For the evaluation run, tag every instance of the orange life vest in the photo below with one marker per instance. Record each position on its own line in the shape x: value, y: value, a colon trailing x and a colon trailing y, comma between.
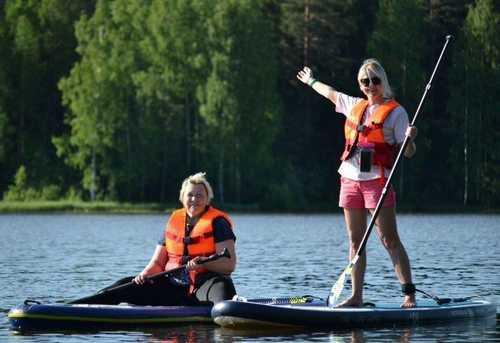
x: 371, y: 135
x: 200, y: 242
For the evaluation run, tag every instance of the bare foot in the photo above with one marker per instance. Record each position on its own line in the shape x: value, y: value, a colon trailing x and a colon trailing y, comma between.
x: 409, y: 301
x: 351, y: 302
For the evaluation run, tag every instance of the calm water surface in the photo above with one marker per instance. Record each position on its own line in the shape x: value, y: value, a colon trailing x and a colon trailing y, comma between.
x: 54, y: 258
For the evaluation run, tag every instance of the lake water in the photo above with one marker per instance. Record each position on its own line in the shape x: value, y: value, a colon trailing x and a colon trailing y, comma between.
x: 60, y: 257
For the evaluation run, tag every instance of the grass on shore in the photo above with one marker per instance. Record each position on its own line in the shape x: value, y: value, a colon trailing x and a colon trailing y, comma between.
x: 78, y: 206
x: 82, y: 207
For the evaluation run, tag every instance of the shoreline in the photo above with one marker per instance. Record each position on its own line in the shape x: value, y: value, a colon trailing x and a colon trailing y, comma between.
x: 111, y: 207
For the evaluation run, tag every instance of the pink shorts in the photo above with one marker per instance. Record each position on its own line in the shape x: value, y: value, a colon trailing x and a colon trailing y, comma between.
x: 364, y: 194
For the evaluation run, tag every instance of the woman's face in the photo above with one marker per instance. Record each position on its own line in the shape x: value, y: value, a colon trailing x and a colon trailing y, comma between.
x: 195, y: 199
x: 371, y: 85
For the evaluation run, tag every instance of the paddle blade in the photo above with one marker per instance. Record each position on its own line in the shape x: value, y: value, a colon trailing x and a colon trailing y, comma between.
x: 336, y: 290
x: 338, y: 287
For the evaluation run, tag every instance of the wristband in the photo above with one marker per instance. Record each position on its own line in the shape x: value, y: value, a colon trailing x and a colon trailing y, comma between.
x: 311, y: 82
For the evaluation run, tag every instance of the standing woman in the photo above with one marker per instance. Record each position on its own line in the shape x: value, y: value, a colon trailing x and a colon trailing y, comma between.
x: 374, y: 130
x: 192, y: 233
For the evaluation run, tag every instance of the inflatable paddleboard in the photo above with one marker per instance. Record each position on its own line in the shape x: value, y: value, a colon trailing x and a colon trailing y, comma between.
x: 315, y: 313
x: 36, y: 316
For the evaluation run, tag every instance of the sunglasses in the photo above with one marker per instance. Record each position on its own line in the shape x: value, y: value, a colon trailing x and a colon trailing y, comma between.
x: 375, y: 81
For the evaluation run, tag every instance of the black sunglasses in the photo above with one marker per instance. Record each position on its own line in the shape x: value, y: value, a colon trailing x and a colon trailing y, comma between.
x: 375, y: 81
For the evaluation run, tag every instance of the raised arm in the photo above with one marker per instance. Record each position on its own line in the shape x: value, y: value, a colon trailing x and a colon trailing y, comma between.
x: 305, y: 75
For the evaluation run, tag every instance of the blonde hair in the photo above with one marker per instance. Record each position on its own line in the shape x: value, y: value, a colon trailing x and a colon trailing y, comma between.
x: 374, y: 67
x: 197, y: 179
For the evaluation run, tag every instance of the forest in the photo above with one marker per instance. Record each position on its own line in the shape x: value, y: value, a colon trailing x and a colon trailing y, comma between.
x: 120, y: 100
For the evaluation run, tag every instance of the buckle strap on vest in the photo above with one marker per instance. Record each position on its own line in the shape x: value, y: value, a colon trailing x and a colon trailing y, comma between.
x: 365, y: 129
x: 361, y: 128
x: 183, y: 259
x: 189, y: 240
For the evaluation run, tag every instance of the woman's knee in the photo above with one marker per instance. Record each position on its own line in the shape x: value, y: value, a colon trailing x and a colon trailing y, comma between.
x: 391, y: 242
x: 354, y: 245
x: 216, y: 289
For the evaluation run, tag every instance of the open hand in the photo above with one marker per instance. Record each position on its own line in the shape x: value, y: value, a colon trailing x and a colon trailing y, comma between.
x: 305, y: 75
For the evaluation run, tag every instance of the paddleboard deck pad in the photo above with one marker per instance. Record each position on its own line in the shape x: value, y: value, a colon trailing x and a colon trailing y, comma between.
x: 315, y: 313
x: 36, y: 316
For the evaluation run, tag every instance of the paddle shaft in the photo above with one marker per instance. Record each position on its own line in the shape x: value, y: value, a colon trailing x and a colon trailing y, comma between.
x: 398, y: 158
x: 214, y: 257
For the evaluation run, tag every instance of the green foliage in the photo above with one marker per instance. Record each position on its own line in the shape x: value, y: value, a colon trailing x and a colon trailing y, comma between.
x: 82, y: 206
x: 37, y: 48
x: 73, y: 194
x: 483, y: 26
x: 138, y: 78
x: 21, y: 190
x: 4, y: 128
x: 18, y: 190
x: 50, y: 192
x: 330, y: 37
x: 100, y: 96
x: 121, y: 100
x: 482, y: 55
x: 279, y: 197
x: 239, y: 102
x: 398, y: 41
x: 4, y: 91
x: 284, y: 193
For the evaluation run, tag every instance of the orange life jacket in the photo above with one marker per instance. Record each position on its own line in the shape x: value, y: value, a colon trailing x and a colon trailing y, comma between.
x: 371, y: 135
x: 200, y: 242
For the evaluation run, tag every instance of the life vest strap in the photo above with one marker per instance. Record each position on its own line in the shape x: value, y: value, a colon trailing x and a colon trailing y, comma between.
x: 185, y: 258
x: 365, y: 129
x: 361, y: 128
x: 189, y: 240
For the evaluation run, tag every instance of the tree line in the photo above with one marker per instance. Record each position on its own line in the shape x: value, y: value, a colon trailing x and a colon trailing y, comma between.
x: 122, y: 99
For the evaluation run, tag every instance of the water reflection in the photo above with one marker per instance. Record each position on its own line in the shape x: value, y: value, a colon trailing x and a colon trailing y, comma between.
x: 187, y: 334
x: 484, y: 330
x: 461, y: 331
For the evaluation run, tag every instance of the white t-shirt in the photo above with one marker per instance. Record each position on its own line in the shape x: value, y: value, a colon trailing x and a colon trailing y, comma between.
x: 394, y: 129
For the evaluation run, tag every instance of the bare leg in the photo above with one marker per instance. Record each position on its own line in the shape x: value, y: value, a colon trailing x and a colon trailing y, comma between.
x: 388, y: 233
x: 355, y: 220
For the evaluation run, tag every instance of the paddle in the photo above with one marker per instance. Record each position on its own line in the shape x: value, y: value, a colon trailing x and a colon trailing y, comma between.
x: 339, y: 285
x: 214, y: 257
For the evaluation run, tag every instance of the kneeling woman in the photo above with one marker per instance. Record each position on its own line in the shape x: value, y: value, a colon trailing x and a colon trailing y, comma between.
x: 191, y: 235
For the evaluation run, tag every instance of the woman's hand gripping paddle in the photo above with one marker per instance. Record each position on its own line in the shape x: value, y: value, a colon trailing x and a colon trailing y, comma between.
x: 337, y: 288
x: 214, y: 257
